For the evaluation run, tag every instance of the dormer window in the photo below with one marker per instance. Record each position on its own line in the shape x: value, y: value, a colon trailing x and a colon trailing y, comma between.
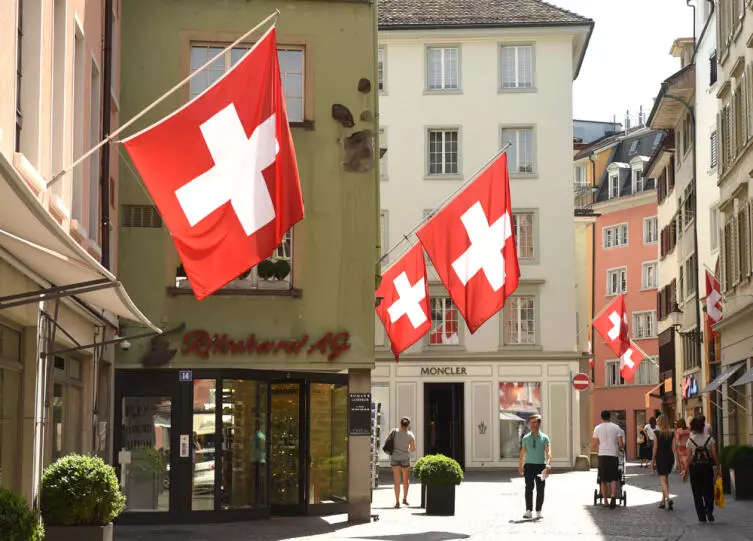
x: 639, y: 183
x: 614, y: 186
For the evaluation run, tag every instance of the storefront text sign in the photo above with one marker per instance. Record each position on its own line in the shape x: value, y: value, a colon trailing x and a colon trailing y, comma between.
x: 360, y: 414
x: 417, y: 371
x: 204, y: 344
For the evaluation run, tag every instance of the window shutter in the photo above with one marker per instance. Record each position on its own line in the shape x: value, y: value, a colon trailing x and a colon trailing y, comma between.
x: 734, y: 251
x: 749, y: 99
x: 744, y: 242
x: 743, y: 113
x: 723, y: 145
x: 724, y: 237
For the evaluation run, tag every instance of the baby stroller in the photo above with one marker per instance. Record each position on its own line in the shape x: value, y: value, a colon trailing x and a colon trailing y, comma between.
x: 621, y: 494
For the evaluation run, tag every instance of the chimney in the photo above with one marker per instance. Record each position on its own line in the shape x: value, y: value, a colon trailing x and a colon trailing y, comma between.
x: 641, y: 117
x: 627, y: 120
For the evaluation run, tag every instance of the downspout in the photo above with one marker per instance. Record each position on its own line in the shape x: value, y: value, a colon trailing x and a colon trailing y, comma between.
x: 104, y: 170
x: 705, y: 27
x: 379, y: 247
x: 592, y: 360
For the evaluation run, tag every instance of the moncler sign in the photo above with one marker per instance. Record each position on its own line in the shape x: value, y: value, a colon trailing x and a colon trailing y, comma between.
x: 443, y: 371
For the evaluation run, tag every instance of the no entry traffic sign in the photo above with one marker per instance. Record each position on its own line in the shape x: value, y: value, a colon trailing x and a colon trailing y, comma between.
x: 581, y: 382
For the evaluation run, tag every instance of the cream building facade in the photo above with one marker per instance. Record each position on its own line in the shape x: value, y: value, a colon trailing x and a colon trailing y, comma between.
x: 454, y: 90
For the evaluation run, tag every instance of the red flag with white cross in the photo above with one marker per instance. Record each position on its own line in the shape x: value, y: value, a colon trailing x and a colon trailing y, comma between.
x: 223, y: 173
x: 404, y: 309
x: 612, y: 325
x: 630, y: 360
x: 472, y: 246
x: 714, y: 306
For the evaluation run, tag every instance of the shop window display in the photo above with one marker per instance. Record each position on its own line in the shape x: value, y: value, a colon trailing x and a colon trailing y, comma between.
x: 518, y: 401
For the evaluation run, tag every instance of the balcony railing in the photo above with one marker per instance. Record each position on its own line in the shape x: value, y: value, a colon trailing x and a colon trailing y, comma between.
x: 584, y: 196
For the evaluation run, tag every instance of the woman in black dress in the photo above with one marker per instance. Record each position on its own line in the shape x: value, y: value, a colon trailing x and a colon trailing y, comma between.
x: 664, y: 458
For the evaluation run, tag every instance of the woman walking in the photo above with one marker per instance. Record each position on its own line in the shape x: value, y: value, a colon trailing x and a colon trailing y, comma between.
x: 404, y: 444
x: 682, y: 434
x: 700, y: 467
x: 647, y: 447
x: 664, y: 458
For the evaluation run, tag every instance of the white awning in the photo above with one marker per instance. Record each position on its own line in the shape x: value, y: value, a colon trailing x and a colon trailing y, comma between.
x: 31, y: 235
x: 722, y: 378
x: 747, y: 378
x: 507, y: 416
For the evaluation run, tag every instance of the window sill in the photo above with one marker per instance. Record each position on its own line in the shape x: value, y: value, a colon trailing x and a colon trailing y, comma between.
x: 520, y: 347
x: 524, y: 176
x: 443, y: 177
x: 383, y: 92
x: 649, y: 289
x: 649, y: 243
x: 307, y: 125
x: 528, y: 261
x: 443, y: 347
x: 233, y: 292
x: 520, y: 90
x: 644, y: 338
x: 450, y: 92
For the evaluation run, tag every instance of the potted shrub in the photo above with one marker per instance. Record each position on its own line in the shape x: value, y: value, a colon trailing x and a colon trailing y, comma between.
x: 266, y: 269
x: 741, y: 472
x: 79, y: 498
x: 440, y: 474
x: 17, y: 521
x: 725, y: 456
x: 146, y: 474
x: 417, y: 474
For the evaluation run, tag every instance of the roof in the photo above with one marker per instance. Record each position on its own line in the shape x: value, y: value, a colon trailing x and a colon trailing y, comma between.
x: 405, y: 14
x: 685, y: 80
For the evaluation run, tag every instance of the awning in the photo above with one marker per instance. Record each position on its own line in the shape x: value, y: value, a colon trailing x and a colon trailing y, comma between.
x: 721, y: 378
x: 747, y: 378
x: 32, y: 236
x: 506, y: 416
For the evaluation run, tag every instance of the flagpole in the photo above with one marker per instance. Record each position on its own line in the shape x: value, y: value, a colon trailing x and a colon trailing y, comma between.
x: 162, y: 98
x: 406, y: 236
x: 645, y: 355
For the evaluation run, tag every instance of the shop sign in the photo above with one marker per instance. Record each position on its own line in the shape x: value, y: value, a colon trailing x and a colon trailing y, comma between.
x: 360, y: 414
x: 689, y: 386
x: 443, y: 371
x: 204, y: 344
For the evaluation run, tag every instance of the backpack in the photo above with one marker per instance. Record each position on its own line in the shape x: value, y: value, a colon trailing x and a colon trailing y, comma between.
x: 701, y: 455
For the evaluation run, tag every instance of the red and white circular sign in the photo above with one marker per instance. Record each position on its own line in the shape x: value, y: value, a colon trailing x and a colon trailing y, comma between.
x: 581, y: 382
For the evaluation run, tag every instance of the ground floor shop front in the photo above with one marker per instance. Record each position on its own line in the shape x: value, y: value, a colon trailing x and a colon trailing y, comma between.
x: 219, y: 444
x: 477, y: 410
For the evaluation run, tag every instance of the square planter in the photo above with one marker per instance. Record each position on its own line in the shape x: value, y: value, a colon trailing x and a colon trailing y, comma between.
x: 440, y: 500
x: 78, y: 533
x: 742, y: 484
x: 726, y: 481
x: 423, y: 496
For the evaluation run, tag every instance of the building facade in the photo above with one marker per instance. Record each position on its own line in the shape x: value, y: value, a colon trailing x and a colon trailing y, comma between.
x: 55, y: 396
x: 453, y: 91
x: 244, y: 412
x: 730, y: 391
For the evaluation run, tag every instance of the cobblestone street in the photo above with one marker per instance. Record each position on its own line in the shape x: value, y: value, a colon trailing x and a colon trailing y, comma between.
x: 490, y: 506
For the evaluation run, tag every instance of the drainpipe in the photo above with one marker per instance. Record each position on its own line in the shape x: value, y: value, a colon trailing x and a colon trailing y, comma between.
x: 592, y: 159
x: 104, y: 170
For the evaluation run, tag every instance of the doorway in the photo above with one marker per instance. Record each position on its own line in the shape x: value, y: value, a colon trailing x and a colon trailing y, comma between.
x: 444, y: 426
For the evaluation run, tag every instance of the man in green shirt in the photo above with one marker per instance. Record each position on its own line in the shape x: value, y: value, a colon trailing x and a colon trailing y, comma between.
x: 534, y: 464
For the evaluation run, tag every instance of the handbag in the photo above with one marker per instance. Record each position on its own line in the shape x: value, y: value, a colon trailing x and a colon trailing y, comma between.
x: 641, y: 438
x: 719, y: 493
x: 389, y: 444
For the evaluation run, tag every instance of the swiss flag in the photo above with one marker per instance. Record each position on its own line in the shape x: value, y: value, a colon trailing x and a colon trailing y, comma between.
x: 630, y: 360
x: 472, y: 245
x: 612, y: 325
x: 222, y: 171
x: 714, y: 307
x: 404, y: 309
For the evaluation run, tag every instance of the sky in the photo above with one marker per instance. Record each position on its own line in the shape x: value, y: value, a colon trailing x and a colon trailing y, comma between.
x: 628, y: 56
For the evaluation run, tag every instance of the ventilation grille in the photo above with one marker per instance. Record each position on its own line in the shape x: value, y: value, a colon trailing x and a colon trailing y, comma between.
x: 140, y: 216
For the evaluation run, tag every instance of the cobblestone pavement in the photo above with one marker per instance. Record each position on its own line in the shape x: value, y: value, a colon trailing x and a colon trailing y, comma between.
x: 489, y: 506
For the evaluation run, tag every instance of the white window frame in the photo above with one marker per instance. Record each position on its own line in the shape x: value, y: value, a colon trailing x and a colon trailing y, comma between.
x: 444, y: 299
x: 715, y: 219
x: 513, y: 303
x: 616, y: 270
x: 638, y: 181
x: 612, y: 366
x: 647, y: 230
x: 648, y: 326
x: 614, y: 186
x: 644, y: 275
x: 443, y: 67
x: 384, y: 173
x: 618, y: 233
x: 516, y: 215
x: 514, y: 151
x: 580, y: 178
x: 444, y: 172
x: 690, y: 266
x: 518, y: 83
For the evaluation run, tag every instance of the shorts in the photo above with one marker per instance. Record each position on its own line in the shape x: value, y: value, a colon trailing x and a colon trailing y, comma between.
x: 402, y: 463
x: 609, y: 469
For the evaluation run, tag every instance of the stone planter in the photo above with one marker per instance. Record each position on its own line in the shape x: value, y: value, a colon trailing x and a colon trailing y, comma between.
x: 423, y: 496
x: 726, y: 480
x: 78, y: 533
x: 440, y: 500
x: 742, y: 484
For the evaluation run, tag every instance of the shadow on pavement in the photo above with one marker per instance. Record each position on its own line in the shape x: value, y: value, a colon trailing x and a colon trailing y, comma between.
x: 425, y: 536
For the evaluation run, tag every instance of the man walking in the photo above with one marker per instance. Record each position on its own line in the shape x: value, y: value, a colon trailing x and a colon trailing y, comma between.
x: 608, y: 441
x: 534, y: 464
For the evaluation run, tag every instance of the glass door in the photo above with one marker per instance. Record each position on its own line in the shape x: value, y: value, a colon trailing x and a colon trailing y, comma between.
x: 287, y: 448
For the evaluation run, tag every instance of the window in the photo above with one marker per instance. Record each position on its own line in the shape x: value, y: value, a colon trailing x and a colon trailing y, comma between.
x: 616, y: 281
x: 57, y: 133
x: 712, y: 68
x: 518, y: 401
x: 443, y: 68
x: 714, y: 148
x: 520, y: 155
x: 639, y: 183
x: 520, y: 320
x: 615, y: 236
x: 691, y: 272
x: 614, y: 186
x: 687, y: 133
x: 381, y: 70
x: 649, y: 275
x: 579, y: 177
x: 383, y: 165
x: 690, y: 353
x: 10, y: 386
x: 688, y: 206
x: 524, y: 234
x: 443, y: 152
x: 644, y: 324
x: 650, y: 230
x: 79, y: 128
x: 714, y: 232
x: 291, y: 60
x: 681, y: 284
x: 95, y: 111
x: 647, y: 374
x: 445, y: 322
x: 19, y: 77
x: 67, y: 413
x: 383, y: 234
x: 517, y: 67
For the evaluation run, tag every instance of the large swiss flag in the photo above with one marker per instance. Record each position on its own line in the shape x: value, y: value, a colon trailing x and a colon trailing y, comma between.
x: 222, y: 171
x: 404, y: 309
x: 612, y: 325
x: 472, y: 245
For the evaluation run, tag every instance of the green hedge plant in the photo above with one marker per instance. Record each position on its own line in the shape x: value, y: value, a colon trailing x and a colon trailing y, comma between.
x: 742, y: 458
x: 17, y: 521
x: 418, y: 466
x: 79, y: 490
x: 441, y: 470
x: 726, y: 454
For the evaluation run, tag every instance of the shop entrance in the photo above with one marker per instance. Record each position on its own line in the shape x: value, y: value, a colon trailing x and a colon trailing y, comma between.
x: 216, y: 445
x: 444, y: 427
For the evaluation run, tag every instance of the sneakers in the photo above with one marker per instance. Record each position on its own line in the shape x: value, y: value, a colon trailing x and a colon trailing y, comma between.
x: 527, y: 515
x: 539, y: 515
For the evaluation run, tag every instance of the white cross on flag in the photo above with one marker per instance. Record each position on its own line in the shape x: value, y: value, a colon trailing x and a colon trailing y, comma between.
x: 472, y: 245
x: 404, y: 309
x: 222, y: 171
x: 612, y: 325
x: 630, y: 360
x: 714, y: 307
